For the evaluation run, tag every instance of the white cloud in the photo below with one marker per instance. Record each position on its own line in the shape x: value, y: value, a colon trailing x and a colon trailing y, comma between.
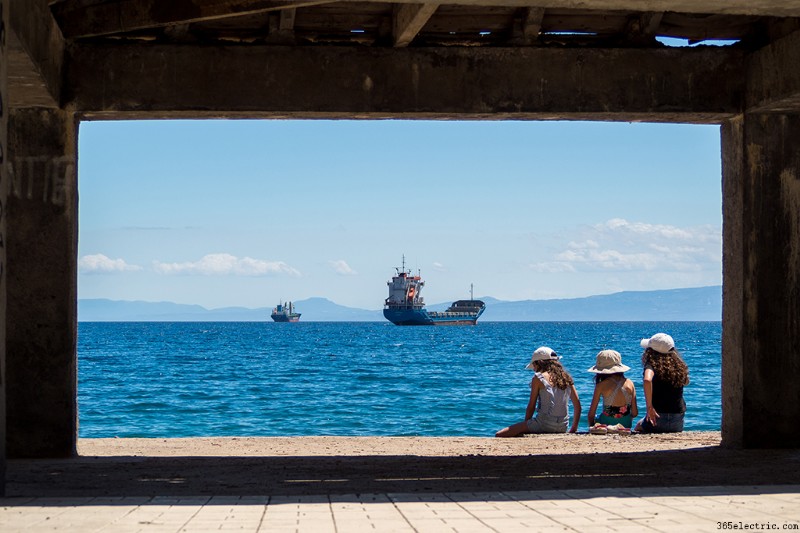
x: 342, y: 268
x: 621, y: 226
x: 439, y: 267
x: 620, y: 245
x: 101, y: 264
x: 226, y: 265
x: 552, y: 267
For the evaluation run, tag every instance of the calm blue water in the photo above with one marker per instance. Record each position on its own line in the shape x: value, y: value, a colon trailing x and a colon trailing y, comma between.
x: 266, y: 379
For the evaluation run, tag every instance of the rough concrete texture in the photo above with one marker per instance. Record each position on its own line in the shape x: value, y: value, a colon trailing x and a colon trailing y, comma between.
x: 761, y: 320
x: 774, y: 8
x: 773, y: 77
x: 38, y: 35
x: 42, y: 284
x: 733, y: 281
x: 4, y: 107
x: 668, y: 85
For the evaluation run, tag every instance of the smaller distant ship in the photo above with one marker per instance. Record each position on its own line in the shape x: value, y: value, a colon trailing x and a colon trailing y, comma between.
x: 284, y: 312
x: 405, y: 306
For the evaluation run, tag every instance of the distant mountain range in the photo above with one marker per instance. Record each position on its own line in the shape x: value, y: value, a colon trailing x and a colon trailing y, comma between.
x: 694, y: 304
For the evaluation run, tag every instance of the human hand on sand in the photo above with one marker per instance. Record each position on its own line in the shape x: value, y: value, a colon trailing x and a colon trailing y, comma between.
x: 652, y: 415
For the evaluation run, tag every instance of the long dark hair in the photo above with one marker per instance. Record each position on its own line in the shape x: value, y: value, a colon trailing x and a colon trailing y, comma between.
x: 559, y: 376
x: 598, y: 378
x: 668, y: 367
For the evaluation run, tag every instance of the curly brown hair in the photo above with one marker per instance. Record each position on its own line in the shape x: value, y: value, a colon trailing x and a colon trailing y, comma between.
x: 559, y: 376
x: 668, y: 367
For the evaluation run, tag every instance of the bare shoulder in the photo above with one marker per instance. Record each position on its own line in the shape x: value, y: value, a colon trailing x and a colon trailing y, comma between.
x: 604, y: 386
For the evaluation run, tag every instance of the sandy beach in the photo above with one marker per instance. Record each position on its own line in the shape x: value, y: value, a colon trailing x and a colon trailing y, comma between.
x: 581, y: 443
x: 353, y: 465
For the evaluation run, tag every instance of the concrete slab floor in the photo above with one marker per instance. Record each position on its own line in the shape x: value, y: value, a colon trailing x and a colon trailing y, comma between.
x: 684, y: 509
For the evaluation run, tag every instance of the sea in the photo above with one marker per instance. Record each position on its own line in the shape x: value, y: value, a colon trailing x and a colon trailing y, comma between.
x: 193, y: 379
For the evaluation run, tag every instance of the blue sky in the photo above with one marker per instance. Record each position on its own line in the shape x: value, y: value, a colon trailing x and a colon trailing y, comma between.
x: 247, y: 213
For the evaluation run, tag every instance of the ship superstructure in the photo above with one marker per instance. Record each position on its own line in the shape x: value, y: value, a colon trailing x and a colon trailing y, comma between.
x: 405, y: 306
x: 285, y: 313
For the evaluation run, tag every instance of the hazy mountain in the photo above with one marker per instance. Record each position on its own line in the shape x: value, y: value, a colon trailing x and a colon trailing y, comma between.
x: 312, y: 309
x: 695, y: 304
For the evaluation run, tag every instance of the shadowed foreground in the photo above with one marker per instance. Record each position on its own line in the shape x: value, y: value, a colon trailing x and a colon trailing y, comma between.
x: 336, y: 465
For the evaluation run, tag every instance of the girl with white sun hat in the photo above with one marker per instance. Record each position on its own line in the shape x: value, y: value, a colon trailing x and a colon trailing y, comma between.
x: 665, y: 376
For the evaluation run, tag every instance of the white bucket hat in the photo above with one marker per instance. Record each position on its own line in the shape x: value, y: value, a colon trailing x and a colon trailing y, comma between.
x: 609, y: 362
x: 543, y: 353
x: 660, y: 342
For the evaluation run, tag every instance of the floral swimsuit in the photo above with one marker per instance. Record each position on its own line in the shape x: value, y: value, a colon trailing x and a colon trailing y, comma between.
x: 618, y: 414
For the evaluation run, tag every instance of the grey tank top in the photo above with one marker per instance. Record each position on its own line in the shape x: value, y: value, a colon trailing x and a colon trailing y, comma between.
x: 552, y: 401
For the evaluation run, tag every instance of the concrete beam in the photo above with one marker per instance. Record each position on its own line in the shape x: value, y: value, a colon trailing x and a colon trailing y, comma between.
x: 37, y: 35
x: 95, y: 20
x: 770, y: 8
x: 26, y: 87
x: 773, y: 77
x: 408, y: 20
x: 532, y: 23
x: 669, y: 85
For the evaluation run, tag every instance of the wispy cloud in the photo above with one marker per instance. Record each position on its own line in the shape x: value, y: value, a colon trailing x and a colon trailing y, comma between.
x: 438, y: 267
x: 226, y: 265
x: 342, y: 268
x: 101, y: 264
x: 619, y: 245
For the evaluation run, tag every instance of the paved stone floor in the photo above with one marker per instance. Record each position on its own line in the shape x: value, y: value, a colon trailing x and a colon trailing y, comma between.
x: 683, y: 509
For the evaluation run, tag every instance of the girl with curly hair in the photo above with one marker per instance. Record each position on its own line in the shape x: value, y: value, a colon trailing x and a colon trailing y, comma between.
x: 665, y: 376
x: 551, y: 389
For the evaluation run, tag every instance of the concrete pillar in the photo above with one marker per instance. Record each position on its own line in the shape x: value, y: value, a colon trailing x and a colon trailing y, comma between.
x: 3, y: 195
x: 761, y: 281
x: 42, y: 284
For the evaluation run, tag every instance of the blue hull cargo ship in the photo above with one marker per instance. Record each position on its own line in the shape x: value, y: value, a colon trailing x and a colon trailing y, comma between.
x: 405, y: 306
x: 285, y: 313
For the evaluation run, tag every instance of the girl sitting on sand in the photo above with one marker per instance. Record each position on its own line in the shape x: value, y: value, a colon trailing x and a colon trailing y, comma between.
x: 618, y: 393
x: 551, y: 388
x: 665, y: 375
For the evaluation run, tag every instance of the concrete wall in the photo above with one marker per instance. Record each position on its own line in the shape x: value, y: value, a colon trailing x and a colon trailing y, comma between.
x: 4, y: 107
x: 761, y: 281
x: 41, y: 343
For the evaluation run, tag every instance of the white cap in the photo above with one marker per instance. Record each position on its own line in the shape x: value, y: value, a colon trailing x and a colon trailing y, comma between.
x: 543, y: 353
x: 660, y: 342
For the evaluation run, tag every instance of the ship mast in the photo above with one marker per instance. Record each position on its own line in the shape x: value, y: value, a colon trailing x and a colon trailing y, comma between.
x: 471, y: 297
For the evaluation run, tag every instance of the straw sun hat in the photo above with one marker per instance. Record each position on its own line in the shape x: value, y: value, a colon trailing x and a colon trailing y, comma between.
x: 609, y: 362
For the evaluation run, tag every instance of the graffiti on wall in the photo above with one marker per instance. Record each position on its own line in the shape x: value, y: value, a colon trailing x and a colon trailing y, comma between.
x: 41, y: 178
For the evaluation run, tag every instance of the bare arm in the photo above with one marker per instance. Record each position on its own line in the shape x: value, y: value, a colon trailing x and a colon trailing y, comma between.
x: 576, y: 408
x: 647, y: 385
x: 595, y: 403
x: 532, y: 401
x: 634, y: 404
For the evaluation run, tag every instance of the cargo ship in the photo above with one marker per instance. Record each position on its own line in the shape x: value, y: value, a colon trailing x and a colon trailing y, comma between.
x: 284, y: 313
x: 405, y: 306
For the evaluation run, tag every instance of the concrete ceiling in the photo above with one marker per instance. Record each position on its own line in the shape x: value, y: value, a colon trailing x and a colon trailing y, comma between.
x: 567, y: 59
x: 542, y: 23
